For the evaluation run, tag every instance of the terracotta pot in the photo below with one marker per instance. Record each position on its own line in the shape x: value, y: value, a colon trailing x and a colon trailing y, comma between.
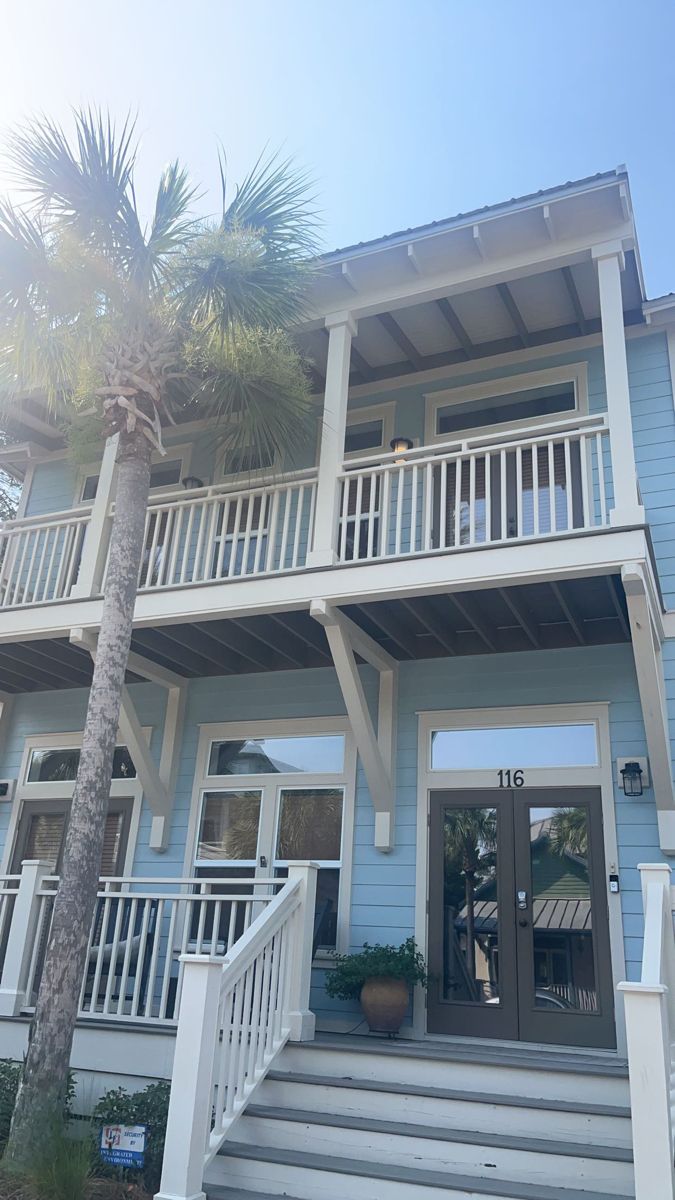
x: 384, y: 1001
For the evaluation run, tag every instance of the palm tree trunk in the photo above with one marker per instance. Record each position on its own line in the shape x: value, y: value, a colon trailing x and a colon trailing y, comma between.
x: 43, y: 1087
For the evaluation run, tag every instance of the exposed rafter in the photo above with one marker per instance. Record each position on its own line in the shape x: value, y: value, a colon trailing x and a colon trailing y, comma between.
x: 576, y: 302
x: 523, y: 616
x: 514, y: 312
x: 448, y: 312
x: 574, y: 620
x: 402, y: 340
x: 422, y: 608
x: 474, y: 620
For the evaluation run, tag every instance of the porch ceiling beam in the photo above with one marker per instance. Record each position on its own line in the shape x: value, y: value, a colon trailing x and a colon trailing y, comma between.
x: 402, y: 340
x: 376, y: 751
x: 304, y: 629
x: 359, y: 362
x: 573, y: 618
x: 265, y: 632
x: 514, y: 312
x: 651, y: 686
x: 393, y: 627
x: 173, y: 650
x: 223, y: 636
x: 618, y: 607
x: 451, y: 318
x: 423, y: 609
x: 474, y: 621
x: 73, y: 660
x: 523, y: 616
x: 576, y: 302
x: 31, y: 666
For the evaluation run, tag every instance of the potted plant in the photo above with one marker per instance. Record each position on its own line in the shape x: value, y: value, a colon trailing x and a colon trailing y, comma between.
x: 381, y: 978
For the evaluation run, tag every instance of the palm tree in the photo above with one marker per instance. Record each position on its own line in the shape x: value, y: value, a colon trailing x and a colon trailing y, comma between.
x: 120, y: 327
x: 470, y: 838
x: 569, y: 832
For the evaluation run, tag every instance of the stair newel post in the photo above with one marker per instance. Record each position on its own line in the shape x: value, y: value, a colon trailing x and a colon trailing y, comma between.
x: 301, y: 1020
x: 190, y: 1107
x: 23, y: 932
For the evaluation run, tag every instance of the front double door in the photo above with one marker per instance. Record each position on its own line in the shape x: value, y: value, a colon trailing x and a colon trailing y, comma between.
x: 518, y: 917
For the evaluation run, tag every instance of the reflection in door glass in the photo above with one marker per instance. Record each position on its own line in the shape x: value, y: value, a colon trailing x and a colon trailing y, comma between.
x: 470, y: 913
x: 562, y: 926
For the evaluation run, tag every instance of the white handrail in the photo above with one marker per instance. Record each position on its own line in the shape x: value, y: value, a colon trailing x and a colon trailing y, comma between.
x: 649, y: 1005
x: 235, y: 1019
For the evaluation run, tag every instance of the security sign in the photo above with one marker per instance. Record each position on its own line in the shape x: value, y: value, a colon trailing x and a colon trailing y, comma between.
x: 123, y: 1145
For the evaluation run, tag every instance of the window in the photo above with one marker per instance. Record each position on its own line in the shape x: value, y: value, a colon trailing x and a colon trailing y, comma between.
x: 369, y: 429
x: 246, y: 460
x: 164, y: 474
x: 269, y: 799
x: 42, y: 832
x: 510, y: 403
x: 514, y: 746
x: 60, y: 765
x: 275, y: 756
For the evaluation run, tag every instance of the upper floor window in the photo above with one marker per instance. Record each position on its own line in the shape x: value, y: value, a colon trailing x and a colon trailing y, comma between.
x: 507, y: 404
x: 278, y: 755
x: 165, y: 474
x: 369, y: 430
x: 59, y: 764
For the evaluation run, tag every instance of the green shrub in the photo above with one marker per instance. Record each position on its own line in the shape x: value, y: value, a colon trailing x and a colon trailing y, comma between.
x: 147, y: 1107
x: 10, y: 1074
x: 63, y: 1166
x: 352, y: 970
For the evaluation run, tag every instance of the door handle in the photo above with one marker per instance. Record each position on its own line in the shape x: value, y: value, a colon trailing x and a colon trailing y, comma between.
x: 522, y: 921
x: 521, y: 899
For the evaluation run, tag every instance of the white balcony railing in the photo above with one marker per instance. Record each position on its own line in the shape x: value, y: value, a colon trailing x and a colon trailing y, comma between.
x: 480, y: 492
x: 141, y: 934
x: 223, y: 534
x: 41, y: 557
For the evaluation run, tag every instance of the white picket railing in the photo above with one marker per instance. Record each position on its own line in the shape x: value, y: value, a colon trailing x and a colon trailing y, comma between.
x: 479, y: 492
x: 650, y: 1028
x: 142, y: 932
x: 235, y: 1018
x: 219, y: 533
x: 41, y: 557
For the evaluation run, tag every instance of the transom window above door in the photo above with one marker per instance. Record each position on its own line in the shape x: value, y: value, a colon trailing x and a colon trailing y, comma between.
x: 291, y: 800
x: 465, y: 749
x: 538, y: 397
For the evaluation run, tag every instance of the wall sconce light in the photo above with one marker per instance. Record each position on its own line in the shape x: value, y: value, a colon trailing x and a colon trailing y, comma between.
x: 192, y: 481
x: 400, y: 445
x: 631, y: 778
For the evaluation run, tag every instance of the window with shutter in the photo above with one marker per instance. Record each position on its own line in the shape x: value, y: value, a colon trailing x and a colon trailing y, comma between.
x: 42, y: 834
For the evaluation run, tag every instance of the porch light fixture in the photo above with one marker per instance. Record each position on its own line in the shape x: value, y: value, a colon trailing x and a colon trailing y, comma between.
x: 192, y: 481
x: 400, y: 445
x: 631, y: 778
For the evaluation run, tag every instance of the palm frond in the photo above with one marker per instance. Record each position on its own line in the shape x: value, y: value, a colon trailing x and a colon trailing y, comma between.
x: 273, y: 201
x: 172, y: 227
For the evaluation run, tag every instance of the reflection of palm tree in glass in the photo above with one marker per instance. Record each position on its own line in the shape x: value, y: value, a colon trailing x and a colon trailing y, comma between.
x: 309, y: 827
x: 569, y: 832
x: 470, y: 838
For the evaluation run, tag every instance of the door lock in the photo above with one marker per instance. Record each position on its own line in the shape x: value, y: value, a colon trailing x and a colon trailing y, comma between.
x: 521, y: 898
x: 263, y: 860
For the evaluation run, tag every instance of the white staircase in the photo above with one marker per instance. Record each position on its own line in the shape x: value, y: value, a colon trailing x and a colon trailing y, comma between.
x: 364, y: 1119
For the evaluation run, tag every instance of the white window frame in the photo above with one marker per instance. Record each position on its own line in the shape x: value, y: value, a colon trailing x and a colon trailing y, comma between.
x: 575, y: 373
x: 600, y: 776
x: 297, y: 780
x: 183, y: 452
x: 63, y: 790
x: 384, y: 412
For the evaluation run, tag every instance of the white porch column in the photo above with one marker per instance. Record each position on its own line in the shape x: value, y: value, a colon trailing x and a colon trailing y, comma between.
x: 342, y: 328
x: 627, y: 509
x: 95, y: 548
x: 21, y: 940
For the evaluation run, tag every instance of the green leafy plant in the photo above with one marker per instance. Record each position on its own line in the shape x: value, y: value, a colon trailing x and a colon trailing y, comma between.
x: 63, y: 1166
x: 397, y: 962
x: 10, y: 1074
x: 147, y: 1107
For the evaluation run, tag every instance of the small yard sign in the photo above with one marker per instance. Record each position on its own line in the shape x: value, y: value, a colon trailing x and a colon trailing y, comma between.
x: 123, y: 1145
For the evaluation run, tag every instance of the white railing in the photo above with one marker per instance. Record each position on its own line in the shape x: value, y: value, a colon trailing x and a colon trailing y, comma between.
x: 142, y: 932
x: 650, y: 1026
x: 479, y: 492
x: 235, y: 1018
x: 224, y: 533
x: 41, y: 557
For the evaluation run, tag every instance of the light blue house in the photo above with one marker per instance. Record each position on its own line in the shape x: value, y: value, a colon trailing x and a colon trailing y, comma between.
x: 434, y: 657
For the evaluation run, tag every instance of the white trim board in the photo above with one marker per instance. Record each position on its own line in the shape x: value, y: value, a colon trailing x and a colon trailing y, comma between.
x: 599, y: 776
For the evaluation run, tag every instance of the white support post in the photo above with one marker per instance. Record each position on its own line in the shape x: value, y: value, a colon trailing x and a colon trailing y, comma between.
x: 375, y: 751
x: 190, y: 1106
x: 302, y: 1019
x: 95, y: 548
x: 342, y: 329
x: 649, y: 672
x: 627, y: 508
x: 172, y: 739
x: 21, y: 938
x: 648, y: 1047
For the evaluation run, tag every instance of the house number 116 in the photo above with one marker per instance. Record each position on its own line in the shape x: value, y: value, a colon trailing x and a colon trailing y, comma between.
x: 509, y: 779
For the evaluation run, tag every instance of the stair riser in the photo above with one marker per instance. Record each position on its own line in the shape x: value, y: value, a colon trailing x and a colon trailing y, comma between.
x: 464, y: 1076
x: 446, y: 1114
x: 435, y: 1155
x: 282, y: 1180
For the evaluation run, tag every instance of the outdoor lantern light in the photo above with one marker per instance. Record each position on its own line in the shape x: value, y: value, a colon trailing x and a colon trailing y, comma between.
x: 399, y: 445
x: 191, y: 481
x: 631, y: 777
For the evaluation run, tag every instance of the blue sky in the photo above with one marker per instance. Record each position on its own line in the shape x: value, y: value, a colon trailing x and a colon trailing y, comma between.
x: 404, y: 111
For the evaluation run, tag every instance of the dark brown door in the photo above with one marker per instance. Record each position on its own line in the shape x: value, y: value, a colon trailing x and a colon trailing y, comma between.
x: 518, y: 920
